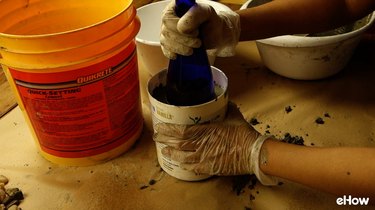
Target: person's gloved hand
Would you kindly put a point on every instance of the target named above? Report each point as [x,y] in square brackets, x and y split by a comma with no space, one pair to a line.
[230,147]
[219,31]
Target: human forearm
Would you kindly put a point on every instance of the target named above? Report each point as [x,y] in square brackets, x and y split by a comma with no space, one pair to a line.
[281,17]
[341,171]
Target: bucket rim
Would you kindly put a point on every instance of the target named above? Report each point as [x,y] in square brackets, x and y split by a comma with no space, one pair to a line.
[125,42]
[128,6]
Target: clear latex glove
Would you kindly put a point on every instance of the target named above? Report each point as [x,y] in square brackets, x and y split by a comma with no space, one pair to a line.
[222,148]
[220,31]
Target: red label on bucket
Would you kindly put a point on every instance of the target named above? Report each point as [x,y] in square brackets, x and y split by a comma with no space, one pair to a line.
[84,112]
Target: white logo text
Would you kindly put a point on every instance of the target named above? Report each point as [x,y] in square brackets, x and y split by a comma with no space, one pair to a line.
[349,200]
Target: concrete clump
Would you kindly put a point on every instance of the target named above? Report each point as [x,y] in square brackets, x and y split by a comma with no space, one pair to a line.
[10,198]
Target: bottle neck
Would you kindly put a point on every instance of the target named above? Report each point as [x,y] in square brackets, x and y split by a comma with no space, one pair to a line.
[182,6]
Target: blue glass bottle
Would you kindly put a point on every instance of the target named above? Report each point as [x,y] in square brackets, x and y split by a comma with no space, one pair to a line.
[189,78]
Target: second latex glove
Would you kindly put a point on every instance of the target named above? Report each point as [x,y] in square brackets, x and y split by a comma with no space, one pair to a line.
[219,31]
[222,148]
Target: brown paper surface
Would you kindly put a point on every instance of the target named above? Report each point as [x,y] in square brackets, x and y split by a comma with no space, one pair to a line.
[346,103]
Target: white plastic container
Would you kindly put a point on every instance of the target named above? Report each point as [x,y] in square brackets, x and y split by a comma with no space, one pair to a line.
[186,115]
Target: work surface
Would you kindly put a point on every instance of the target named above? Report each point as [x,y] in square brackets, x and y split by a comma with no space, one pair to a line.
[345,102]
[134,180]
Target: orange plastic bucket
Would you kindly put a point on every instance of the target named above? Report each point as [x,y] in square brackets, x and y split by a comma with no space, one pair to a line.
[73,67]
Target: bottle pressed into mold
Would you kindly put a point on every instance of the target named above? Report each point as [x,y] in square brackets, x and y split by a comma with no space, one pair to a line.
[189,78]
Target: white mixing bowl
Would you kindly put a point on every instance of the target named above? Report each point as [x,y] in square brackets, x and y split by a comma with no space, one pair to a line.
[310,57]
